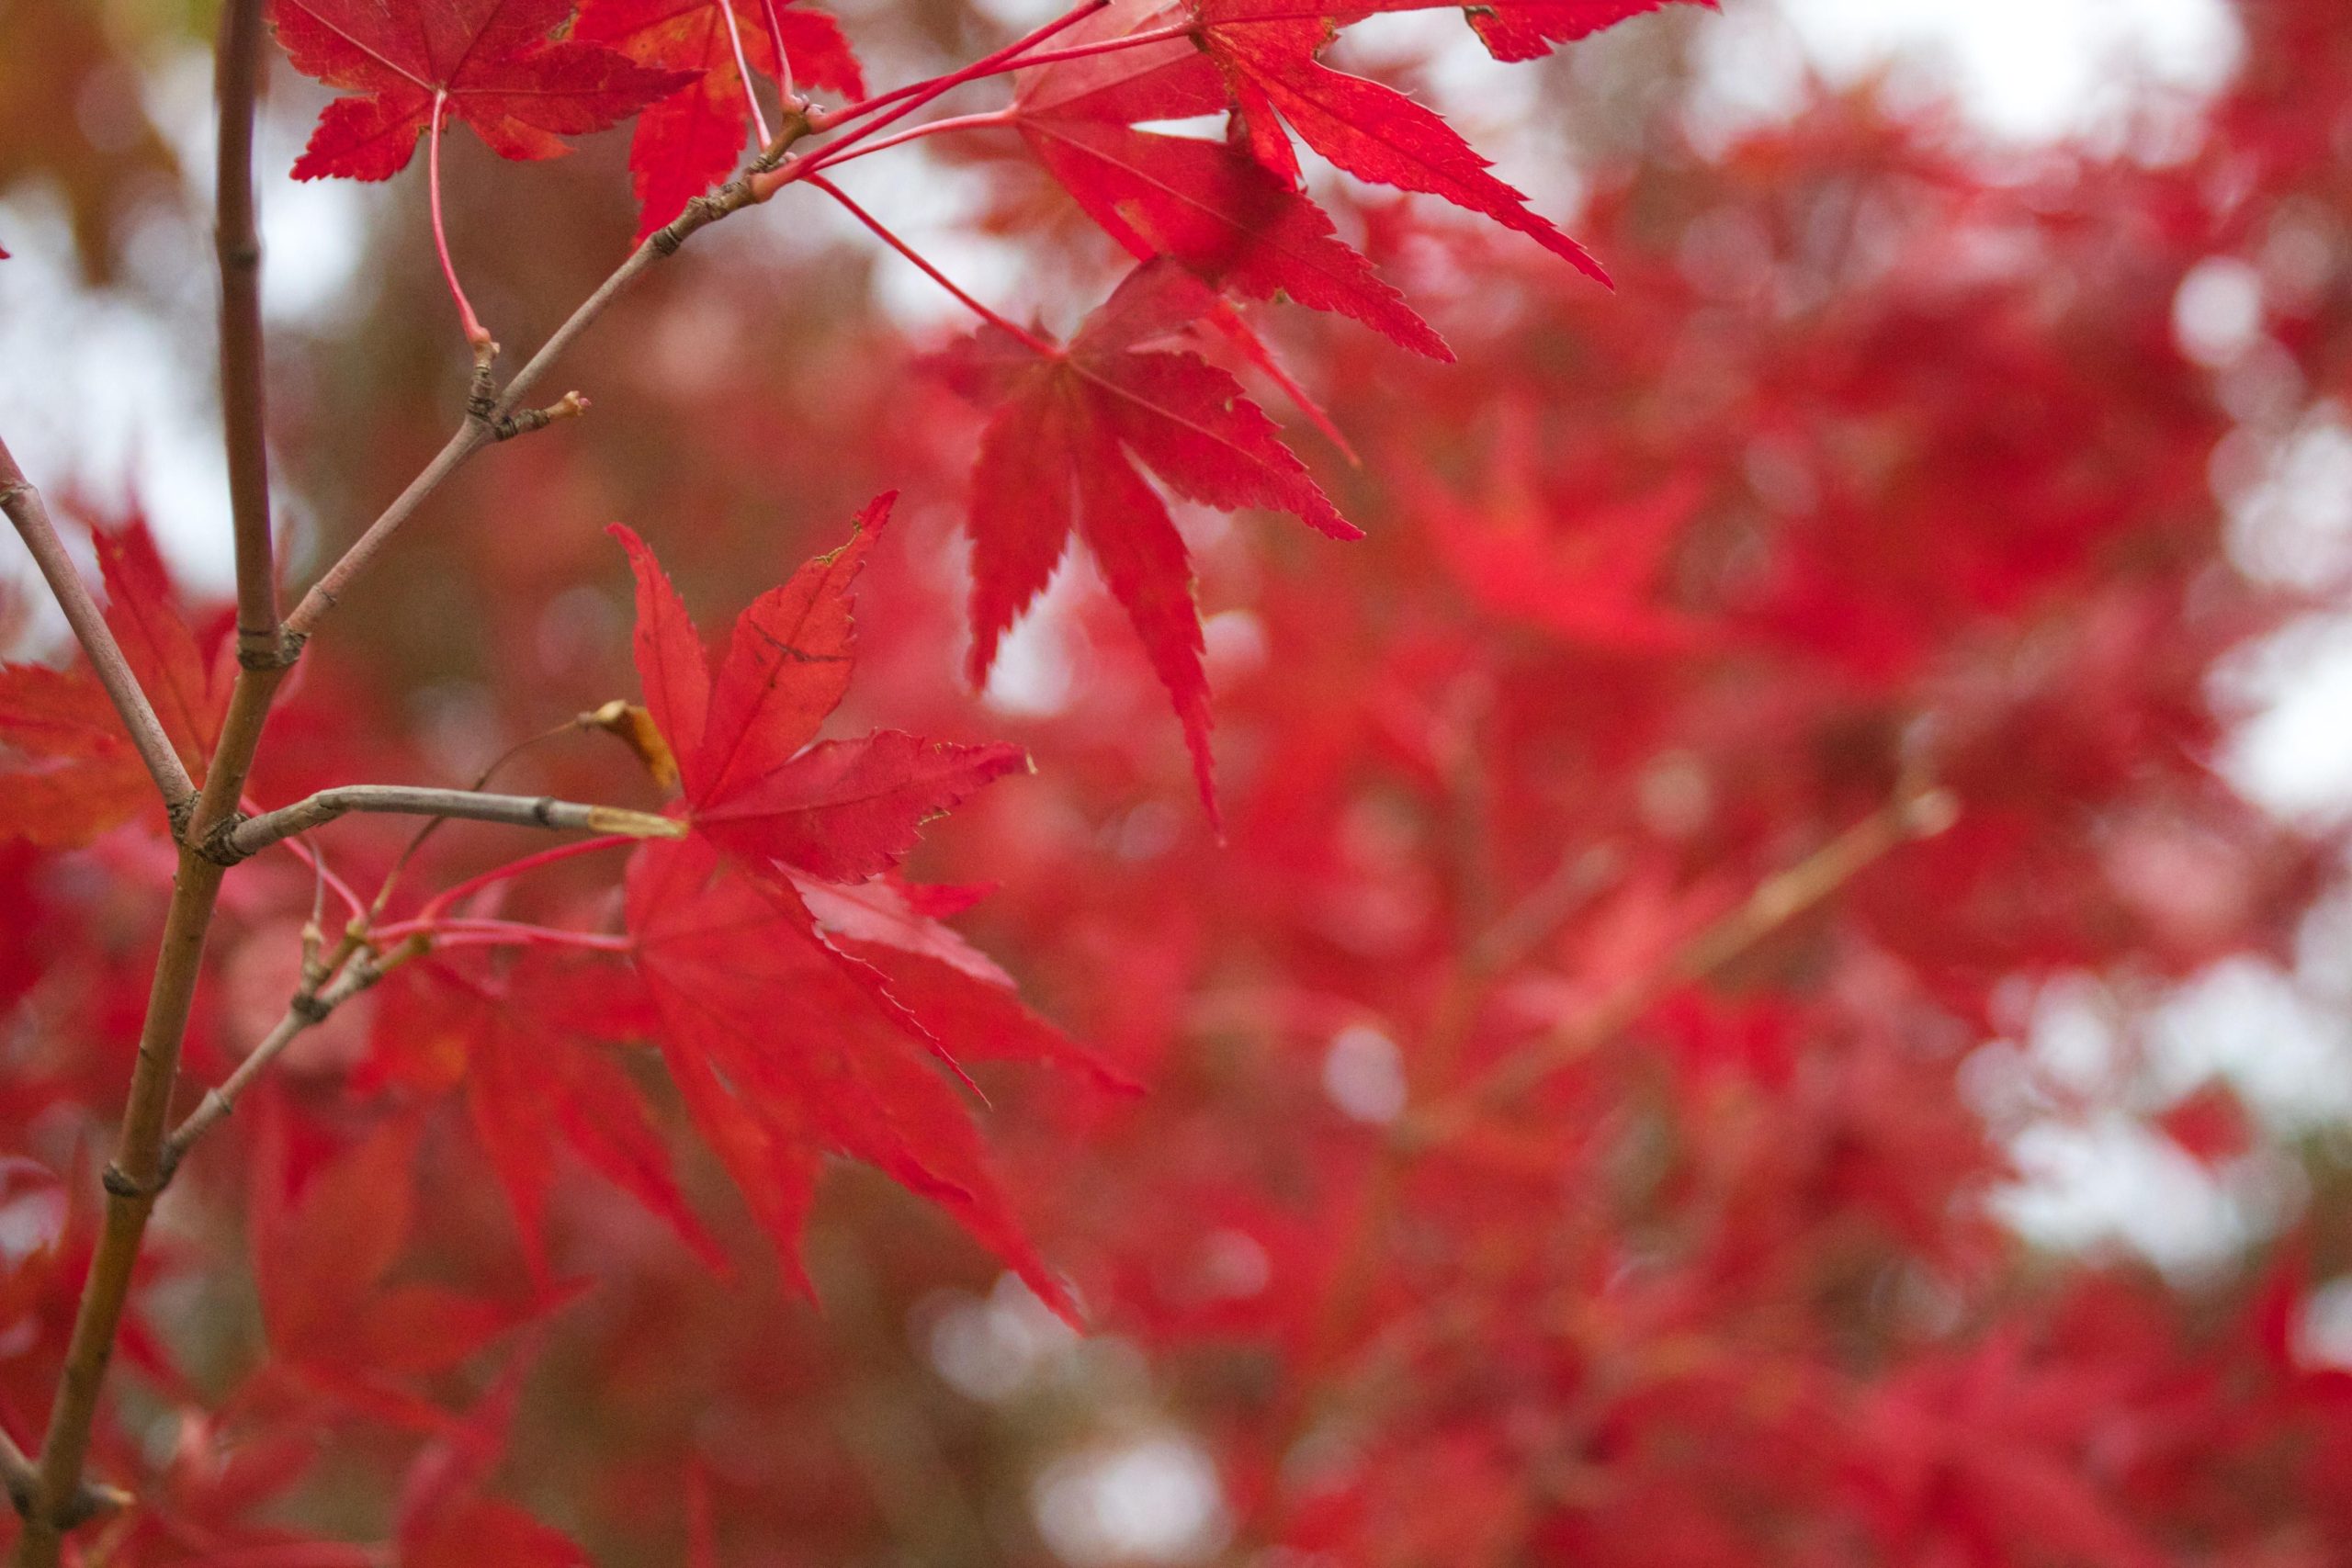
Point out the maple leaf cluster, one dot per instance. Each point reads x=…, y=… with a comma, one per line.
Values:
x=1548, y=1095
x=1230, y=216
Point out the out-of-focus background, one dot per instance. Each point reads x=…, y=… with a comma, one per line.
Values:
x=105, y=335
x=1974, y=399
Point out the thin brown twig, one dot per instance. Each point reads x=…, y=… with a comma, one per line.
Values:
x=352, y=970
x=26, y=510
x=130, y=1183
x=237, y=241
x=481, y=429
x=258, y=833
x=1777, y=900
x=17, y=1473
x=383, y=898
x=135, y=1177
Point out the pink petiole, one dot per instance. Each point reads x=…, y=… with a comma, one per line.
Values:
x=475, y=333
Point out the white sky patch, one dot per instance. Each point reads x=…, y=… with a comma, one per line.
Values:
x=2294, y=756
x=2025, y=69
x=109, y=394
x=2113, y=1182
x=1038, y=660
x=2286, y=1051
x=103, y=398
x=992, y=1348
x=1363, y=1074
x=2293, y=526
x=1154, y=1498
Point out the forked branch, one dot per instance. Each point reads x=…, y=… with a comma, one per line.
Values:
x=351, y=970
x=508, y=416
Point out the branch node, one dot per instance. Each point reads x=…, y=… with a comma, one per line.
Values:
x=95, y=1499
x=220, y=845
x=702, y=209
x=795, y=125
x=506, y=427
x=482, y=396
x=262, y=650
x=310, y=1007
x=121, y=1183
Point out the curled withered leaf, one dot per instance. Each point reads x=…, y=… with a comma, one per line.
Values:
x=635, y=729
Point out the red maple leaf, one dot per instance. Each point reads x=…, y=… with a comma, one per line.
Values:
x=689, y=142
x=491, y=62
x=1210, y=206
x=843, y=810
x=1511, y=29
x=957, y=992
x=78, y=774
x=786, y=1050
x=1372, y=131
x=444, y=1522
x=786, y=1046
x=531, y=1086
x=323, y=1257
x=1056, y=459
x=1582, y=566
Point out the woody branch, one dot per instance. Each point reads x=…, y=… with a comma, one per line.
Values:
x=132, y=1179
x=258, y=833
x=52, y=1496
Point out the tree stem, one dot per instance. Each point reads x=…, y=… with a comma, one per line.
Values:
x=237, y=241
x=130, y=1195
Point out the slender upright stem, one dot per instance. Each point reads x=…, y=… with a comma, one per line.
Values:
x=130, y=1196
x=133, y=1179
x=237, y=240
x=476, y=334
x=783, y=58
x=26, y=510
